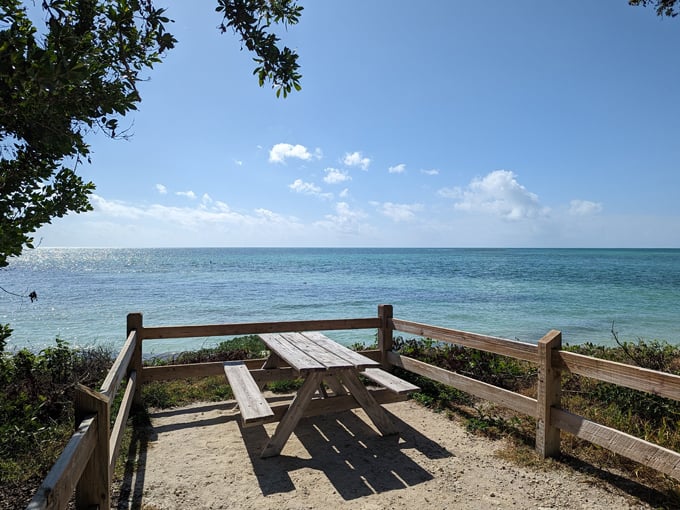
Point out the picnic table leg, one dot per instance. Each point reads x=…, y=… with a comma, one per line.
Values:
x=297, y=408
x=334, y=384
x=376, y=413
x=273, y=361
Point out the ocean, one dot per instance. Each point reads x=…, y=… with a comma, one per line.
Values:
x=84, y=295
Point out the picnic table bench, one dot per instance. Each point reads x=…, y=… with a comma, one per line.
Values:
x=320, y=362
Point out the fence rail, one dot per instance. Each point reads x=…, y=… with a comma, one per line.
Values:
x=86, y=465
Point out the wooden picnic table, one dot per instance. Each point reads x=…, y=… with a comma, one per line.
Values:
x=320, y=362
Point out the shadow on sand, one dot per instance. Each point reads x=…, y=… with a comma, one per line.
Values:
x=357, y=460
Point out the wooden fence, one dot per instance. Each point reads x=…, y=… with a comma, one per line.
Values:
x=86, y=464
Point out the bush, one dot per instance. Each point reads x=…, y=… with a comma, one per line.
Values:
x=36, y=404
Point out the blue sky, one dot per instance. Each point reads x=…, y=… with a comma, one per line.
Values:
x=446, y=123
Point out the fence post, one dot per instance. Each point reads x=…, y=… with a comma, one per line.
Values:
x=92, y=490
x=549, y=394
x=135, y=321
x=385, y=313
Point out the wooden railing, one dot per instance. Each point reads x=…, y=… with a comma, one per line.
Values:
x=86, y=465
x=551, y=361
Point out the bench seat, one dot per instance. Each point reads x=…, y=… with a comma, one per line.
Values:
x=252, y=404
x=389, y=381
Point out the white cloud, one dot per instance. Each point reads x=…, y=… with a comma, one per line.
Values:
x=584, y=207
x=344, y=193
x=189, y=194
x=161, y=189
x=356, y=159
x=238, y=162
x=450, y=192
x=308, y=188
x=334, y=176
x=398, y=212
x=397, y=169
x=282, y=151
x=197, y=218
x=497, y=194
x=345, y=220
x=433, y=171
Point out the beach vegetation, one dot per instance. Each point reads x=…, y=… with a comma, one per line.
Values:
x=36, y=410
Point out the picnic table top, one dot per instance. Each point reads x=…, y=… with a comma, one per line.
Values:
x=312, y=351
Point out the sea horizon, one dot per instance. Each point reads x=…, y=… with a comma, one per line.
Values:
x=84, y=294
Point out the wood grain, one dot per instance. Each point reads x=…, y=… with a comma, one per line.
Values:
x=258, y=327
x=252, y=404
x=662, y=459
x=642, y=379
x=479, y=389
x=505, y=347
x=58, y=486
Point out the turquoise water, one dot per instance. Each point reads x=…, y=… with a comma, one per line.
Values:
x=85, y=294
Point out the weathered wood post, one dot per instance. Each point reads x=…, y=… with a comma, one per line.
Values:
x=385, y=339
x=135, y=322
x=549, y=394
x=92, y=490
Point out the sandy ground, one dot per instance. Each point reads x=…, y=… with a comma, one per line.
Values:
x=198, y=457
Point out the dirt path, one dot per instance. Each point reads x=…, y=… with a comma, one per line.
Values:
x=198, y=457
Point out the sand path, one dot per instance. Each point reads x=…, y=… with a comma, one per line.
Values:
x=198, y=457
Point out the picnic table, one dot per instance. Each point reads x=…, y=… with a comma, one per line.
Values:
x=322, y=363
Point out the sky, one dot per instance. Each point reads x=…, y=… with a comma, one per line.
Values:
x=433, y=124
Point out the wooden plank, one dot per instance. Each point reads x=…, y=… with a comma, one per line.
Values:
x=289, y=420
x=385, y=333
x=390, y=381
x=135, y=322
x=335, y=404
x=548, y=396
x=479, y=389
x=121, y=420
x=335, y=385
x=252, y=404
x=58, y=486
x=376, y=413
x=291, y=354
x=120, y=367
x=93, y=488
x=313, y=345
x=352, y=358
x=172, y=372
x=213, y=368
x=642, y=379
x=253, y=328
x=656, y=457
x=512, y=348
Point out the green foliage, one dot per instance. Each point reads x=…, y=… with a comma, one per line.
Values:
x=243, y=347
x=75, y=75
x=165, y=394
x=284, y=386
x=662, y=7
x=639, y=413
x=78, y=74
x=494, y=369
x=36, y=404
x=252, y=20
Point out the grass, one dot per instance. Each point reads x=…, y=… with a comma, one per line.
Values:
x=36, y=412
